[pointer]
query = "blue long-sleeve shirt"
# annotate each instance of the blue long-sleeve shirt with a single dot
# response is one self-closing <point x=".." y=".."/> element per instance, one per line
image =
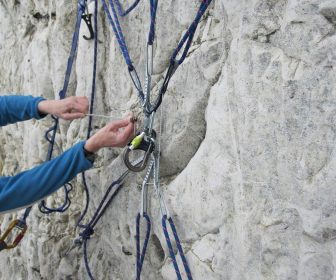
<point x="33" y="185"/>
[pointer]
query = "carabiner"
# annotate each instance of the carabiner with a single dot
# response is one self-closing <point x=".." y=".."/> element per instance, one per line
<point x="136" y="82"/>
<point x="22" y="226"/>
<point x="87" y="19"/>
<point x="155" y="104"/>
<point x="143" y="143"/>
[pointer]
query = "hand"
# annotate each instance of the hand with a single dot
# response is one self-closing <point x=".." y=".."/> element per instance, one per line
<point x="114" y="134"/>
<point x="69" y="108"/>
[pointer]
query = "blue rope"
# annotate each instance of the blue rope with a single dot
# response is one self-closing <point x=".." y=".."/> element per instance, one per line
<point x="104" y="204"/>
<point x="26" y="214"/>
<point x="153" y="10"/>
<point x="73" y="51"/>
<point x="88" y="229"/>
<point x="61" y="209"/>
<point x="128" y="10"/>
<point x="86" y="261"/>
<point x="175" y="63"/>
<point x="117" y="31"/>
<point x="179" y="248"/>
<point x="141" y="255"/>
<point x="114" y="21"/>
<point x="67" y="187"/>
<point x="94" y="70"/>
<point x="93" y="92"/>
<point x="189" y="35"/>
<point x="51" y="138"/>
<point x="62" y="94"/>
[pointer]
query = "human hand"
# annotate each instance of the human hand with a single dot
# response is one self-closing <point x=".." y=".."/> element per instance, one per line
<point x="115" y="134"/>
<point x="69" y="108"/>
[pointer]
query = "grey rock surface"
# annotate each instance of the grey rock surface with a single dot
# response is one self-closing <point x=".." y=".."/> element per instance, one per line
<point x="247" y="139"/>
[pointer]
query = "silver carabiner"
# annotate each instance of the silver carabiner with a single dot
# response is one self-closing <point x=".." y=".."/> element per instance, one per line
<point x="150" y="59"/>
<point x="140" y="166"/>
<point x="149" y="73"/>
<point x="137" y="83"/>
<point x="163" y="206"/>
<point x="147" y="145"/>
<point x="148" y="124"/>
<point x="144" y="192"/>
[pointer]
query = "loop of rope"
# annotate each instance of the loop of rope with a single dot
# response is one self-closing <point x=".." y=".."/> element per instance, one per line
<point x="140" y="254"/>
<point x="174" y="62"/>
<point x="179" y="248"/>
<point x="189" y="35"/>
<point x="88" y="229"/>
<point x="116" y="27"/>
<point x="62" y="94"/>
<point x="64" y="207"/>
<point x="114" y="21"/>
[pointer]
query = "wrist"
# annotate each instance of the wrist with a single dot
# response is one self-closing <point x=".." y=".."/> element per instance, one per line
<point x="89" y="155"/>
<point x="91" y="145"/>
<point x="44" y="107"/>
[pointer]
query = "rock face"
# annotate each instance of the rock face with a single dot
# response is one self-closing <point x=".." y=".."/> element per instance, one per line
<point x="247" y="139"/>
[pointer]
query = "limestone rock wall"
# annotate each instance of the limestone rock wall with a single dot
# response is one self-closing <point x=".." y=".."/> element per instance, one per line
<point x="248" y="134"/>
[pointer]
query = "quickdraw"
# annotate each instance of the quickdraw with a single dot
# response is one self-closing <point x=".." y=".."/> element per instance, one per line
<point x="19" y="225"/>
<point x="140" y="253"/>
<point x="165" y="216"/>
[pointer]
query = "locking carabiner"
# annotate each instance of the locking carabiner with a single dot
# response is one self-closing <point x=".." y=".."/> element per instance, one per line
<point x="20" y="225"/>
<point x="140" y="142"/>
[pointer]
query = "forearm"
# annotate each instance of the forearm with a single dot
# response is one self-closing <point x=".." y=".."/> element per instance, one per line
<point x="19" y="108"/>
<point x="33" y="185"/>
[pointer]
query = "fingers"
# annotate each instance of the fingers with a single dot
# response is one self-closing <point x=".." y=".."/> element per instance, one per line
<point x="115" y="125"/>
<point x="79" y="104"/>
<point x="123" y="137"/>
<point x="72" y="108"/>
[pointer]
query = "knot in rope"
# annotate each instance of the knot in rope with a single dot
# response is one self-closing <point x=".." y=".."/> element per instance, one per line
<point x="87" y="232"/>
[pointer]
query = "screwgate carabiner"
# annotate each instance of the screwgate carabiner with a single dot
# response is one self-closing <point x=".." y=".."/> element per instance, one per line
<point x="143" y="143"/>
<point x="21" y="225"/>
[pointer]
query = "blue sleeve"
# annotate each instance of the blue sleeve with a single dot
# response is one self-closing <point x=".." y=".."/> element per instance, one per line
<point x="33" y="185"/>
<point x="18" y="108"/>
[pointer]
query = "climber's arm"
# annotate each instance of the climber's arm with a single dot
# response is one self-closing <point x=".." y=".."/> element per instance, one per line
<point x="33" y="185"/>
<point x="19" y="108"/>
